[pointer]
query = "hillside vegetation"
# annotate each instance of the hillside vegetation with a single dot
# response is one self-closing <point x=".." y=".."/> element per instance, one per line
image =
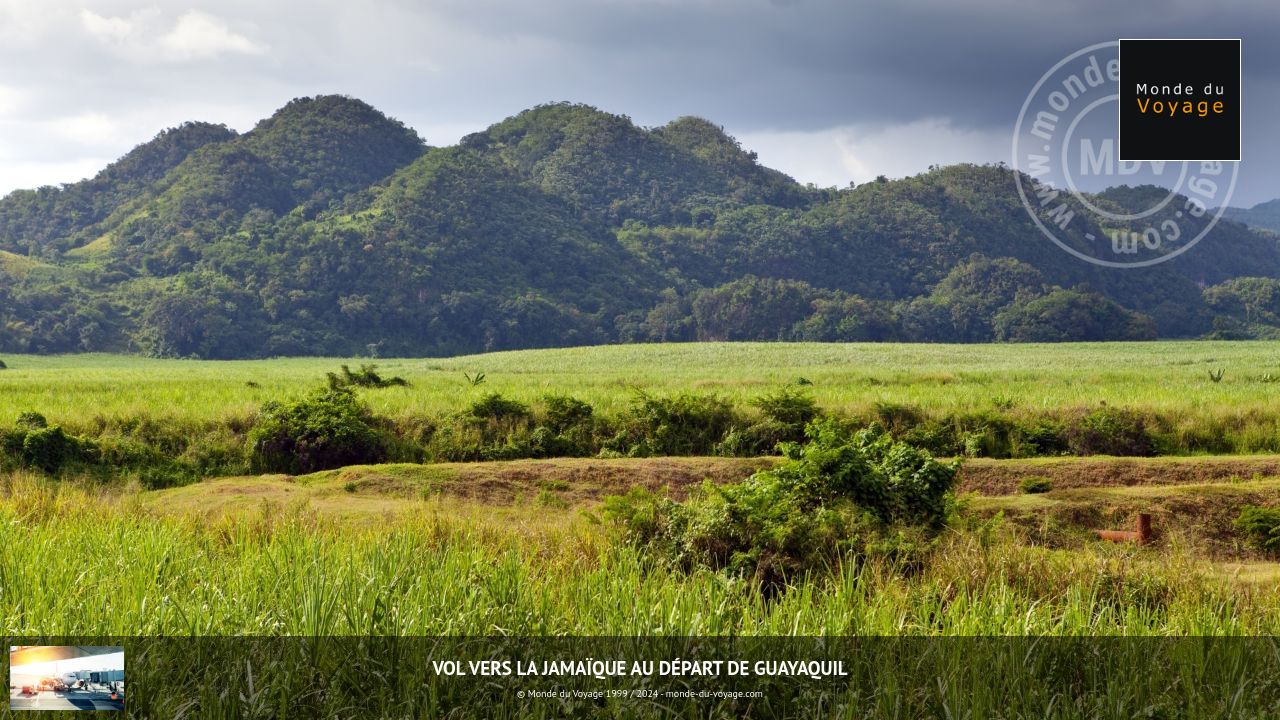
<point x="1263" y="215"/>
<point x="332" y="229"/>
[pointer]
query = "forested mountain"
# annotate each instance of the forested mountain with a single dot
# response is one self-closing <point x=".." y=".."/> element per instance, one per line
<point x="331" y="229"/>
<point x="1263" y="215"/>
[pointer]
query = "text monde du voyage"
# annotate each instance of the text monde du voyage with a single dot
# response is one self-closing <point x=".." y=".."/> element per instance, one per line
<point x="1181" y="99"/>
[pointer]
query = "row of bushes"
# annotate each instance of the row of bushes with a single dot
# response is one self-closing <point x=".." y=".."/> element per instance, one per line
<point x="496" y="428"/>
<point x="333" y="427"/>
<point x="1103" y="430"/>
<point x="154" y="461"/>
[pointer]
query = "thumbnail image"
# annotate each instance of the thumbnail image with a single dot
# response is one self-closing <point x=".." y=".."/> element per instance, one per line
<point x="66" y="677"/>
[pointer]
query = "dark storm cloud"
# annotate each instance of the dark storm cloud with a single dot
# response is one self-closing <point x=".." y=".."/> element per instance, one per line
<point x="810" y="65"/>
<point x="82" y="81"/>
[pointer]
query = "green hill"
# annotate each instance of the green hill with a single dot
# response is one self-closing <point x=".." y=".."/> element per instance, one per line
<point x="1263" y="215"/>
<point x="31" y="220"/>
<point x="330" y="228"/>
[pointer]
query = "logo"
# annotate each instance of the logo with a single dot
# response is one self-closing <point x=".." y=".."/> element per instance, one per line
<point x="1101" y="209"/>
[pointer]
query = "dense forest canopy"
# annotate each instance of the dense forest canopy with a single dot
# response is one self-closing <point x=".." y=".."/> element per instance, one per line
<point x="332" y="229"/>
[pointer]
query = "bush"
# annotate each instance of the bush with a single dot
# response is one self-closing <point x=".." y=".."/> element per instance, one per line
<point x="495" y="407"/>
<point x="366" y="376"/>
<point x="1109" y="431"/>
<point x="684" y="424"/>
<point x="1260" y="527"/>
<point x="837" y="493"/>
<point x="11" y="446"/>
<point x="898" y="417"/>
<point x="985" y="434"/>
<point x="328" y="429"/>
<point x="1043" y="436"/>
<point x="32" y="420"/>
<point x="34" y="443"/>
<point x="786" y="413"/>
<point x="760" y="438"/>
<point x="565" y="413"/>
<point x="3" y="366"/>
<point x="789" y="407"/>
<point x="50" y="448"/>
<point x="1035" y="484"/>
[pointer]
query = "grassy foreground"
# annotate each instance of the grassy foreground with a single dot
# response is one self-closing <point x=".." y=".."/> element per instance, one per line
<point x="395" y="565"/>
<point x="471" y="548"/>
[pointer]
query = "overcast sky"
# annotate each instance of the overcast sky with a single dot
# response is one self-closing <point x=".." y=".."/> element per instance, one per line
<point x="828" y="91"/>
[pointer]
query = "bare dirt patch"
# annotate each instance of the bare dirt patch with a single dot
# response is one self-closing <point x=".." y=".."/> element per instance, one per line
<point x="1001" y="477"/>
<point x="585" y="480"/>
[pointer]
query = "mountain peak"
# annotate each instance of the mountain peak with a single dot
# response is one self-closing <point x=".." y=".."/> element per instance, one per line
<point x="703" y="138"/>
<point x="323" y="106"/>
<point x="150" y="161"/>
<point x="333" y="144"/>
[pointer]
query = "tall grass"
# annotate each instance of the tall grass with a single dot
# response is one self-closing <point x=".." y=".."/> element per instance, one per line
<point x="76" y="561"/>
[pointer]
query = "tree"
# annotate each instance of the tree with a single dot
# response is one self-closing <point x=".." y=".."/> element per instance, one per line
<point x="1071" y="315"/>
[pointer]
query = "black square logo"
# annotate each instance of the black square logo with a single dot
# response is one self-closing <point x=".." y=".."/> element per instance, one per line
<point x="1179" y="100"/>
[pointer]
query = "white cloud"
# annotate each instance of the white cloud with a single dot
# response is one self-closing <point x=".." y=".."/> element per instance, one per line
<point x="14" y="175"/>
<point x="25" y="25"/>
<point x="12" y="100"/>
<point x="90" y="128"/>
<point x="859" y="153"/>
<point x="199" y="36"/>
<point x="112" y="29"/>
<point x="142" y="36"/>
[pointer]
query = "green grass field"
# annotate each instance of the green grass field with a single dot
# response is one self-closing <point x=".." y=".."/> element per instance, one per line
<point x="329" y="562"/>
<point x="1171" y="377"/>
<point x="177" y="571"/>
<point x="519" y="547"/>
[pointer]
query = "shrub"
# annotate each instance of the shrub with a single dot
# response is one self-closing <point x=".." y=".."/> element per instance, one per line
<point x="3" y="366"/>
<point x="788" y="406"/>
<point x="898" y="417"/>
<point x="785" y="415"/>
<point x="1035" y="484"/>
<point x="684" y="424"/>
<point x="565" y="413"/>
<point x="1109" y="431"/>
<point x="49" y="448"/>
<point x="366" y="376"/>
<point x="544" y="442"/>
<point x="32" y="420"/>
<point x="495" y="407"/>
<point x="1260" y="527"/>
<point x="492" y="428"/>
<point x="11" y="446"/>
<point x="837" y="493"/>
<point x="760" y="438"/>
<point x="1043" y="436"/>
<point x="985" y="434"/>
<point x="327" y="429"/>
<point x="936" y="436"/>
